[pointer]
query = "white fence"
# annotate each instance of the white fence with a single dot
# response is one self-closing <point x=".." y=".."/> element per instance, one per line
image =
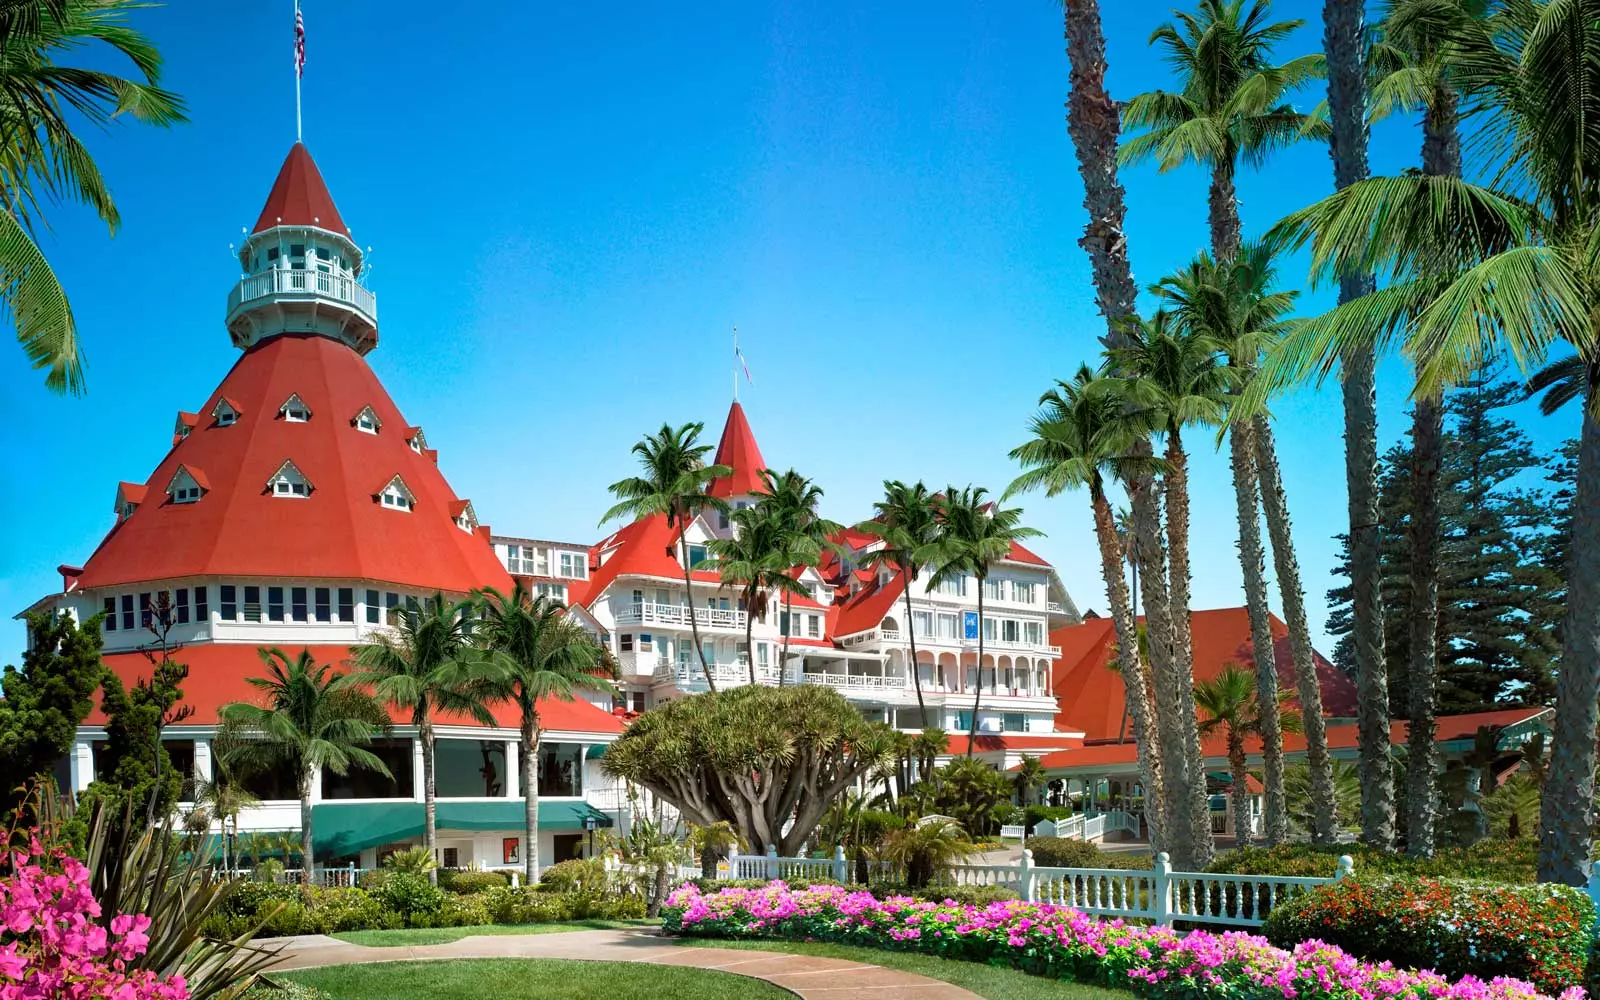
<point x="1077" y="827"/>
<point x="1158" y="894"/>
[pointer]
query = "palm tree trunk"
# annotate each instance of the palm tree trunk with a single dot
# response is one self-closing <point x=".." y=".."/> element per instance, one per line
<point x="708" y="862"/>
<point x="1275" y="502"/>
<point x="1427" y="431"/>
<point x="1252" y="560"/>
<point x="1239" y="773"/>
<point x="430" y="798"/>
<point x="1223" y="210"/>
<point x="788" y="616"/>
<point x="688" y="596"/>
<point x="911" y="637"/>
<point x="1182" y="662"/>
<point x="308" y="864"/>
<point x="749" y="639"/>
<point x="1566" y="814"/>
<point x="529" y="748"/>
<point x="1344" y="41"/>
<point x="1134" y="685"/>
<point x="977" y="672"/>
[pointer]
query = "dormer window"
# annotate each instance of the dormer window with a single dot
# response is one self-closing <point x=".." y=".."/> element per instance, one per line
<point x="295" y="410"/>
<point x="185" y="423"/>
<point x="129" y="496"/>
<point x="465" y="517"/>
<point x="187" y="485"/>
<point x="367" y="421"/>
<point x="415" y="439"/>
<point x="396" y="496"/>
<point x="226" y="412"/>
<point x="289" y="481"/>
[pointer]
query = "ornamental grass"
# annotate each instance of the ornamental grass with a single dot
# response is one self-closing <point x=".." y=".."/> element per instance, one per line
<point x="1062" y="943"/>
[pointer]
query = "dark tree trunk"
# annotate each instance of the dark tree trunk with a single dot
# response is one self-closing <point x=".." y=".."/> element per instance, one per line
<point x="911" y="637"/>
<point x="529" y="765"/>
<point x="1182" y="663"/>
<point x="688" y="596"/>
<point x="977" y="698"/>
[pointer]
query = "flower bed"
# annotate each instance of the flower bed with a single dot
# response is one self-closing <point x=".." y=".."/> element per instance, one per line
<point x="1062" y="943"/>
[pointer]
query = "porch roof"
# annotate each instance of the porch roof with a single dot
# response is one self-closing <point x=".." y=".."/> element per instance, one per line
<point x="340" y="828"/>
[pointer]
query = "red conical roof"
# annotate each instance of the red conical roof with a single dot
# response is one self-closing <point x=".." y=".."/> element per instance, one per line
<point x="299" y="197"/>
<point x="341" y="531"/>
<point x="739" y="451"/>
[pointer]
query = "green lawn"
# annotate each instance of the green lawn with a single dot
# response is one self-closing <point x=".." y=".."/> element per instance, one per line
<point x="442" y="935"/>
<point x="531" y="979"/>
<point x="988" y="981"/>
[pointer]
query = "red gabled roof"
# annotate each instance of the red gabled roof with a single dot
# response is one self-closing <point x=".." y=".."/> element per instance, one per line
<point x="867" y="606"/>
<point x="131" y="492"/>
<point x="299" y="197"/>
<point x="340" y="531"/>
<point x="1091" y="694"/>
<point x="1037" y="742"/>
<point x="1021" y="554"/>
<point x="219" y="672"/>
<point x="738" y="451"/>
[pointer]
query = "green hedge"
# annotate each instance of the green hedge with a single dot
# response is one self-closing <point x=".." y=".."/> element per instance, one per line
<point x="403" y="900"/>
<point x="1495" y="860"/>
<point x="465" y="883"/>
<point x="1065" y="852"/>
<point x="1455" y="927"/>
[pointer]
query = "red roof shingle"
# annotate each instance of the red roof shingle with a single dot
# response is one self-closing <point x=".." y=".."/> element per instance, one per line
<point x="299" y="197"/>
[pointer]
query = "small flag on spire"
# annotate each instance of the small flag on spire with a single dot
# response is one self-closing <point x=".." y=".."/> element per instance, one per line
<point x="299" y="43"/>
<point x="740" y="355"/>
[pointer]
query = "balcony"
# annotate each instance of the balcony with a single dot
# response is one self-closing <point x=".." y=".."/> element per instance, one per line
<point x="860" y="683"/>
<point x="895" y="636"/>
<point x="303" y="285"/>
<point x="1055" y="608"/>
<point x="677" y="616"/>
<point x="687" y="674"/>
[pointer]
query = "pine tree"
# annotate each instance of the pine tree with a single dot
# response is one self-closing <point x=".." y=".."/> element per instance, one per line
<point x="47" y="699"/>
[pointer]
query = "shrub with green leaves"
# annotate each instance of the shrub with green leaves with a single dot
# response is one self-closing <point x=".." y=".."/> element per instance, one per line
<point x="1541" y="933"/>
<point x="465" y="883"/>
<point x="576" y="875"/>
<point x="1065" y="852"/>
<point x="409" y="895"/>
<point x="1493" y="860"/>
<point x="968" y="895"/>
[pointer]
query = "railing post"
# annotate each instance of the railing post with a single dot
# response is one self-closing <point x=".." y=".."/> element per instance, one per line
<point x="772" y="862"/>
<point x="1161" y="890"/>
<point x="841" y="867"/>
<point x="515" y="880"/>
<point x="1347" y="867"/>
<point x="1025" y="876"/>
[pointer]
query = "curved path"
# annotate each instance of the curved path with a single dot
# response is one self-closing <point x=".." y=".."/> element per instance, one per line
<point x="810" y="976"/>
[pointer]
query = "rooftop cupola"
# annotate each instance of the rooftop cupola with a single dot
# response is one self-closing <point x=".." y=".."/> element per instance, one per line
<point x="300" y="268"/>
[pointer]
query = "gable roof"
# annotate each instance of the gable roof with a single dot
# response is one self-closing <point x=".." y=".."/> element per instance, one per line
<point x="299" y="197"/>
<point x="337" y="533"/>
<point x="738" y="451"/>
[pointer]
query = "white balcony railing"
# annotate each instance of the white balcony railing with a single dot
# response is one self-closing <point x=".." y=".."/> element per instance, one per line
<point x="648" y="613"/>
<point x="304" y="284"/>
<point x="1055" y="607"/>
<point x="689" y="675"/>
<point x="876" y="636"/>
<point x="858" y="682"/>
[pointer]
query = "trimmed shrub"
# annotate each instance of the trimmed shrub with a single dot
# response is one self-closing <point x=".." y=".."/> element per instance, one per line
<point x="1066" y="852"/>
<point x="968" y="895"/>
<point x="467" y="883"/>
<point x="1494" y="860"/>
<point x="282" y="989"/>
<point x="409" y="895"/>
<point x="577" y="875"/>
<point x="1457" y="928"/>
<point x="268" y="871"/>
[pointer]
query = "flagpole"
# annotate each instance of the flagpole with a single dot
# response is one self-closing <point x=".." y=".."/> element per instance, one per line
<point x="297" y="135"/>
<point x="735" y="364"/>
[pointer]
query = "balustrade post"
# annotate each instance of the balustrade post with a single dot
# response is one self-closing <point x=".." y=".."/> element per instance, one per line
<point x="1161" y="890"/>
<point x="1347" y="867"/>
<point x="841" y="867"/>
<point x="772" y="862"/>
<point x="1025" y="876"/>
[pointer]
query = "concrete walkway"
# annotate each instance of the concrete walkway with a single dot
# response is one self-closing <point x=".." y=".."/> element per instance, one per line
<point x="808" y="976"/>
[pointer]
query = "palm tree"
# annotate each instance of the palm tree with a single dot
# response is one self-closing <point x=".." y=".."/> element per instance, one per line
<point x="1082" y="438"/>
<point x="425" y="662"/>
<point x="753" y="561"/>
<point x="674" y="485"/>
<point x="927" y="847"/>
<point x="1124" y="526"/>
<point x="1479" y="269"/>
<point x="974" y="535"/>
<point x="1234" y="303"/>
<point x="790" y="502"/>
<point x="907" y="522"/>
<point x="1177" y="375"/>
<point x="313" y="719"/>
<point x="1029" y="777"/>
<point x="542" y="654"/>
<point x="1230" y="703"/>
<point x="1232" y="104"/>
<point x="711" y="842"/>
<point x="43" y="161"/>
<point x="223" y="797"/>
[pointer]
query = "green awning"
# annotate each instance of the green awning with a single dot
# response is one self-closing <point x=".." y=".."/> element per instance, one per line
<point x="596" y="752"/>
<point x="344" y="828"/>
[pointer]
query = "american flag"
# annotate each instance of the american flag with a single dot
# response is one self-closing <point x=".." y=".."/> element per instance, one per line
<point x="740" y="355"/>
<point x="299" y="43"/>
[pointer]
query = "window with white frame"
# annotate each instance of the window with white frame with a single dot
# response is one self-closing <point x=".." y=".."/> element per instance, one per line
<point x="1024" y="592"/>
<point x="1010" y="630"/>
<point x="185" y="487"/>
<point x="954" y="586"/>
<point x="994" y="590"/>
<point x="295" y="410"/>
<point x="467" y="519"/>
<point x="574" y="565"/>
<point x="225" y="413"/>
<point x="396" y="496"/>
<point x="813" y="626"/>
<point x="949" y="627"/>
<point x="922" y="624"/>
<point x="554" y="591"/>
<point x="288" y="481"/>
<point x="367" y="421"/>
<point x="1033" y="633"/>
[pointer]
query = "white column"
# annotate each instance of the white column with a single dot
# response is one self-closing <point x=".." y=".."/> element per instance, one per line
<point x="202" y="760"/>
<point x="513" y="770"/>
<point x="418" y="791"/>
<point x="82" y="762"/>
<point x="316" y="786"/>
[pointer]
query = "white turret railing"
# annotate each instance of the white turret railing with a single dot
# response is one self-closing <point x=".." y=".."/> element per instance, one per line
<point x="303" y="284"/>
<point x="648" y="613"/>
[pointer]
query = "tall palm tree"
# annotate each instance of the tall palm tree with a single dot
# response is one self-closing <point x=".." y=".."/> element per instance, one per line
<point x="1029" y="777"/>
<point x="975" y="533"/>
<point x="223" y="797"/>
<point x="1344" y="44"/>
<point x="1235" y="304"/>
<point x="1230" y="704"/>
<point x="1081" y="439"/>
<point x="312" y="720"/>
<point x="424" y="663"/>
<point x="1177" y="374"/>
<point x="43" y="162"/>
<point x="753" y="561"/>
<point x="542" y="655"/>
<point x="1232" y="105"/>
<point x="1483" y="268"/>
<point x="907" y="522"/>
<point x="1426" y="51"/>
<point x="804" y="536"/>
<point x="675" y="484"/>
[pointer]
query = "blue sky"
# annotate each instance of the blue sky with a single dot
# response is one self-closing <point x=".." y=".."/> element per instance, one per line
<point x="571" y="205"/>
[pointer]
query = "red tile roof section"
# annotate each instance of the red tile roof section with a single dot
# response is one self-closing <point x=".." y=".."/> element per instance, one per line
<point x="218" y="675"/>
<point x="867" y="606"/>
<point x="299" y="197"/>
<point x="992" y="742"/>
<point x="739" y="451"/>
<point x="1091" y="694"/>
<point x="339" y="532"/>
